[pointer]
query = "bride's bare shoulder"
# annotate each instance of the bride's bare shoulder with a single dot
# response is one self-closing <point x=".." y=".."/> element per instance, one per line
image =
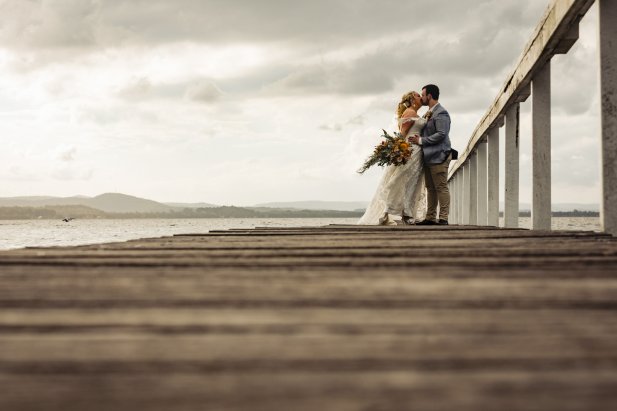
<point x="410" y="112"/>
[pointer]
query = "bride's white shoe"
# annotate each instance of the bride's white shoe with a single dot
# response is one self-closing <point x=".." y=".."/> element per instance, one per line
<point x="384" y="219"/>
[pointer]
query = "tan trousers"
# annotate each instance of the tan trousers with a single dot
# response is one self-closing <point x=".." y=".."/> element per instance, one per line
<point x="436" y="180"/>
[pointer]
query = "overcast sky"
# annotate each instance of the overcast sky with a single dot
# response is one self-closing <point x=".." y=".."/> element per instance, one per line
<point x="243" y="102"/>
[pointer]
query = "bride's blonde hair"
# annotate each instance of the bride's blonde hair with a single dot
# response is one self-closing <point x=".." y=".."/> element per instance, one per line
<point x="407" y="98"/>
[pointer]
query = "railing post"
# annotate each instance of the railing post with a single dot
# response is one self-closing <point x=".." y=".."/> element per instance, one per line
<point x="493" y="176"/>
<point x="608" y="92"/>
<point x="541" y="149"/>
<point x="461" y="194"/>
<point x="452" y="215"/>
<point x="461" y="207"/>
<point x="473" y="189"/>
<point x="457" y="205"/>
<point x="511" y="207"/>
<point x="455" y="200"/>
<point x="466" y="182"/>
<point x="459" y="197"/>
<point x="482" y="183"/>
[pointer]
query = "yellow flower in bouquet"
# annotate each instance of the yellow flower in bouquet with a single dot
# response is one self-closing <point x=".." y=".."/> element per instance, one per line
<point x="393" y="150"/>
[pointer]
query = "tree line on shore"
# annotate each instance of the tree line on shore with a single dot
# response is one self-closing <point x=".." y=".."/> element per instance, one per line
<point x="573" y="213"/>
<point x="83" y="212"/>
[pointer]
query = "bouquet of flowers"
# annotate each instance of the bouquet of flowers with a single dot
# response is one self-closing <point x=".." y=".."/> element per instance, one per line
<point x="394" y="150"/>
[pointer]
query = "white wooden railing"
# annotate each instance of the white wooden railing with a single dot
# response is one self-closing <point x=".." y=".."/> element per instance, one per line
<point x="474" y="178"/>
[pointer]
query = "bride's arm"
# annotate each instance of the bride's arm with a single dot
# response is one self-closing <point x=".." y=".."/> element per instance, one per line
<point x="407" y="120"/>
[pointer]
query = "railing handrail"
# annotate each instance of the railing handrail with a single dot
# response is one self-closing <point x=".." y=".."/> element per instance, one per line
<point x="552" y="36"/>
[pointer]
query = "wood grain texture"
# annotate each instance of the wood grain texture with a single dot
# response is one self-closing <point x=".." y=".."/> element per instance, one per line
<point x="337" y="317"/>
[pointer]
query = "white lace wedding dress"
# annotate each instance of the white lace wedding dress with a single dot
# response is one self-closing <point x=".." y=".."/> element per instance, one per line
<point x="401" y="189"/>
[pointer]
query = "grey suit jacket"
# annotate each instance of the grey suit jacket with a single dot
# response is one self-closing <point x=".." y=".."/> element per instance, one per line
<point x="436" y="137"/>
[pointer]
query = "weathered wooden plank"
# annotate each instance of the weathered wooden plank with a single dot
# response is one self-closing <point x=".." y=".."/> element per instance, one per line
<point x="49" y="275"/>
<point x="339" y="389"/>
<point x="58" y="353"/>
<point x="357" y="241"/>
<point x="351" y="246"/>
<point x="379" y="240"/>
<point x="376" y="291"/>
<point x="378" y="234"/>
<point x="445" y="259"/>
<point x="404" y="247"/>
<point x="223" y="321"/>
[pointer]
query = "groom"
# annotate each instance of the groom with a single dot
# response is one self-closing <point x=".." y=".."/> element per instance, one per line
<point x="435" y="142"/>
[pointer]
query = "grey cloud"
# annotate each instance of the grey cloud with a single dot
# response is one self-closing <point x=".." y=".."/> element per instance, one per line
<point x="357" y="120"/>
<point x="574" y="81"/>
<point x="470" y="94"/>
<point x="74" y="23"/>
<point x="382" y="103"/>
<point x="48" y="23"/>
<point x="437" y="41"/>
<point x="334" y="78"/>
<point x="198" y="90"/>
<point x="70" y="173"/>
<point x="67" y="155"/>
<point x="377" y="72"/>
<point x="112" y="23"/>
<point x="454" y="57"/>
<point x="18" y="173"/>
<point x="354" y="121"/>
<point x="331" y="127"/>
<point x="106" y="115"/>
<point x="576" y="161"/>
<point x="138" y="89"/>
<point x="204" y="91"/>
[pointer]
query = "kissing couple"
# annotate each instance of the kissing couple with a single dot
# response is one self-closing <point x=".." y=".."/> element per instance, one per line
<point x="414" y="190"/>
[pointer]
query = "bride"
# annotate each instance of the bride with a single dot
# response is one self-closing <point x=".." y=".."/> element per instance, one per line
<point x="401" y="189"/>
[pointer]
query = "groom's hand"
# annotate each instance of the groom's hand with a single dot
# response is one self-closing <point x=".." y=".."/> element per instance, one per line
<point x="414" y="139"/>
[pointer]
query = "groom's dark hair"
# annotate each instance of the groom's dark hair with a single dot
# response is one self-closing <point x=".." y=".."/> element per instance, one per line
<point x="433" y="90"/>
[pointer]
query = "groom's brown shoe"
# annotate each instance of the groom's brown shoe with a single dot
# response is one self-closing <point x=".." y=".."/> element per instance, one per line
<point x="426" y="222"/>
<point x="407" y="220"/>
<point x="442" y="222"/>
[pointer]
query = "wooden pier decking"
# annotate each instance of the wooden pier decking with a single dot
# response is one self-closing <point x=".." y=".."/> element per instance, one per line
<point x="331" y="318"/>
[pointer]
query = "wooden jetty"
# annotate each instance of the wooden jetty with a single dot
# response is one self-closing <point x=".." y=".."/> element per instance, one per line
<point x="331" y="318"/>
<point x="466" y="317"/>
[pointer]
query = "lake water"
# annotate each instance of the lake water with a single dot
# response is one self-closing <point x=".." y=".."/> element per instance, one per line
<point x="36" y="233"/>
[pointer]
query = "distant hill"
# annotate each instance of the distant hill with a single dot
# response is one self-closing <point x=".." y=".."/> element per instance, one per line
<point x="191" y="205"/>
<point x="317" y="205"/>
<point x="108" y="202"/>
<point x="122" y="203"/>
